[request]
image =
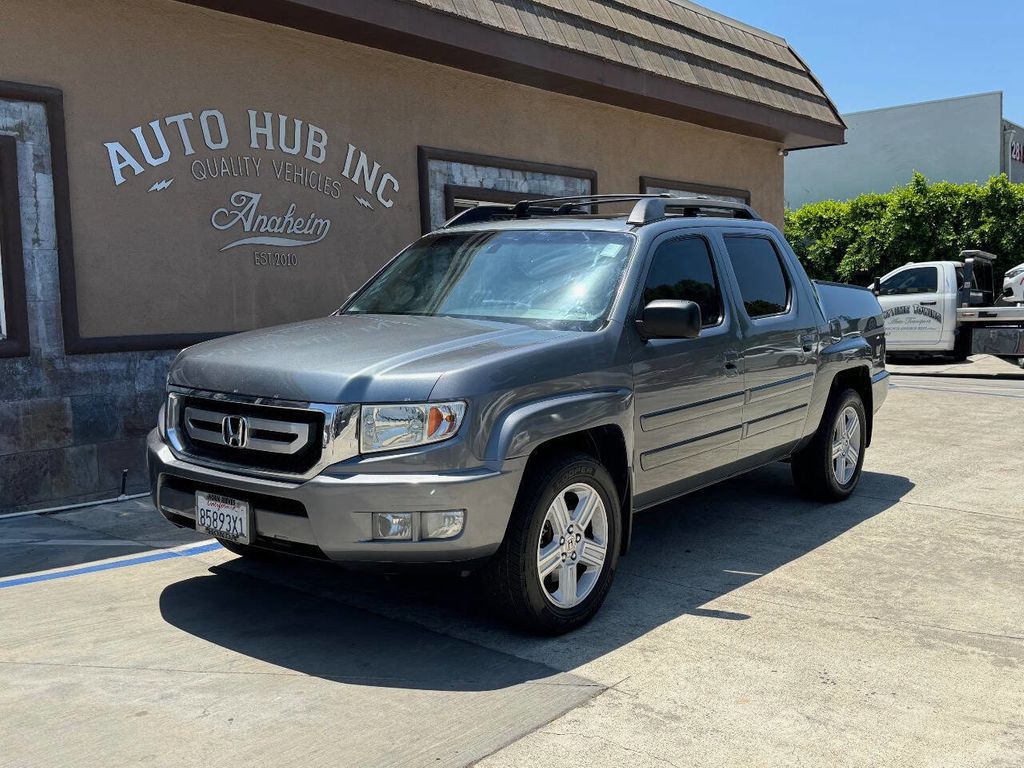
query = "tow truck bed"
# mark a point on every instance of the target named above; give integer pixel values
(990, 315)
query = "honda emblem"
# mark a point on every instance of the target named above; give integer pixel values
(235, 431)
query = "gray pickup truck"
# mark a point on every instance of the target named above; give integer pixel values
(512, 388)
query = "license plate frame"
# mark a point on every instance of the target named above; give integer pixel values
(224, 517)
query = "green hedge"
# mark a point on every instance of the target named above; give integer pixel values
(856, 240)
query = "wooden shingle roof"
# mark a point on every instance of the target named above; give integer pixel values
(665, 38)
(665, 57)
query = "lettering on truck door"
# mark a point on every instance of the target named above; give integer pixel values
(913, 309)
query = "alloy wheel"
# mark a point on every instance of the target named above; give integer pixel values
(573, 545)
(845, 445)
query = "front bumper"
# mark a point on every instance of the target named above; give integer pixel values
(330, 515)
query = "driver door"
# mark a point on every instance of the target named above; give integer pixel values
(910, 301)
(689, 392)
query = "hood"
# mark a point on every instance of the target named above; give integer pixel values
(348, 358)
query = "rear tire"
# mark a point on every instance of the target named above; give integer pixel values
(829, 467)
(566, 518)
(962, 345)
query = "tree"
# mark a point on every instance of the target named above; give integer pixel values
(855, 240)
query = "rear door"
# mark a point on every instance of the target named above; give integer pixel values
(689, 392)
(780, 347)
(911, 299)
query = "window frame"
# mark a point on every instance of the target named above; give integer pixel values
(642, 287)
(651, 182)
(786, 276)
(12, 256)
(935, 272)
(427, 154)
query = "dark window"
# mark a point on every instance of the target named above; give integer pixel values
(13, 313)
(917, 280)
(760, 274)
(682, 270)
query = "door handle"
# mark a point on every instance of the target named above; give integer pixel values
(731, 360)
(928, 303)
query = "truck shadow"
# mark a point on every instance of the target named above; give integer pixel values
(435, 632)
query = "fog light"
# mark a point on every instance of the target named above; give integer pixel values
(392, 525)
(442, 525)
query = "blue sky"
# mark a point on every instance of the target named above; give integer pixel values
(869, 53)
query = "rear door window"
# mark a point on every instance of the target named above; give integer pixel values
(764, 285)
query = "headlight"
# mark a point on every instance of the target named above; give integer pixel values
(161, 421)
(389, 427)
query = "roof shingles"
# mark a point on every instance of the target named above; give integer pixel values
(665, 38)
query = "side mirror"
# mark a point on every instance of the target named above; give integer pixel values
(876, 285)
(669, 319)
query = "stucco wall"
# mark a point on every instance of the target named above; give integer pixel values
(949, 140)
(123, 64)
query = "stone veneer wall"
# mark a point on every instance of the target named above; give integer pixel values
(69, 424)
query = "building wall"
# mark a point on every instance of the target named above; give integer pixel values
(950, 140)
(1013, 151)
(162, 251)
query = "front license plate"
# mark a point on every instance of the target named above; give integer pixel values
(223, 517)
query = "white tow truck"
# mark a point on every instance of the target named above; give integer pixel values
(949, 308)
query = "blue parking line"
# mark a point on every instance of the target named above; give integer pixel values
(164, 555)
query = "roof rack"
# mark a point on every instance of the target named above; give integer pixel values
(648, 208)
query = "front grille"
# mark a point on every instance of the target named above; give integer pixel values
(260, 437)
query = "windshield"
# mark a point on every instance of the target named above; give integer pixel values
(555, 278)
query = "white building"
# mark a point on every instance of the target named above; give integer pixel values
(963, 139)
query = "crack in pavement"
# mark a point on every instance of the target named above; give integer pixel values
(819, 610)
(861, 494)
(334, 678)
(612, 742)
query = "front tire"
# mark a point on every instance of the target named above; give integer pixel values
(555, 566)
(829, 467)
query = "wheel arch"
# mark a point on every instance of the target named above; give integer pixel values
(606, 443)
(857, 378)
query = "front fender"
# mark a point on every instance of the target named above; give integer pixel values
(524, 426)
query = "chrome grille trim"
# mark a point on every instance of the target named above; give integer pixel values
(339, 439)
(293, 436)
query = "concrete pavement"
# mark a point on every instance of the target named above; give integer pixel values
(976, 366)
(746, 627)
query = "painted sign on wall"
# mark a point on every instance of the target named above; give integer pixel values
(264, 154)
